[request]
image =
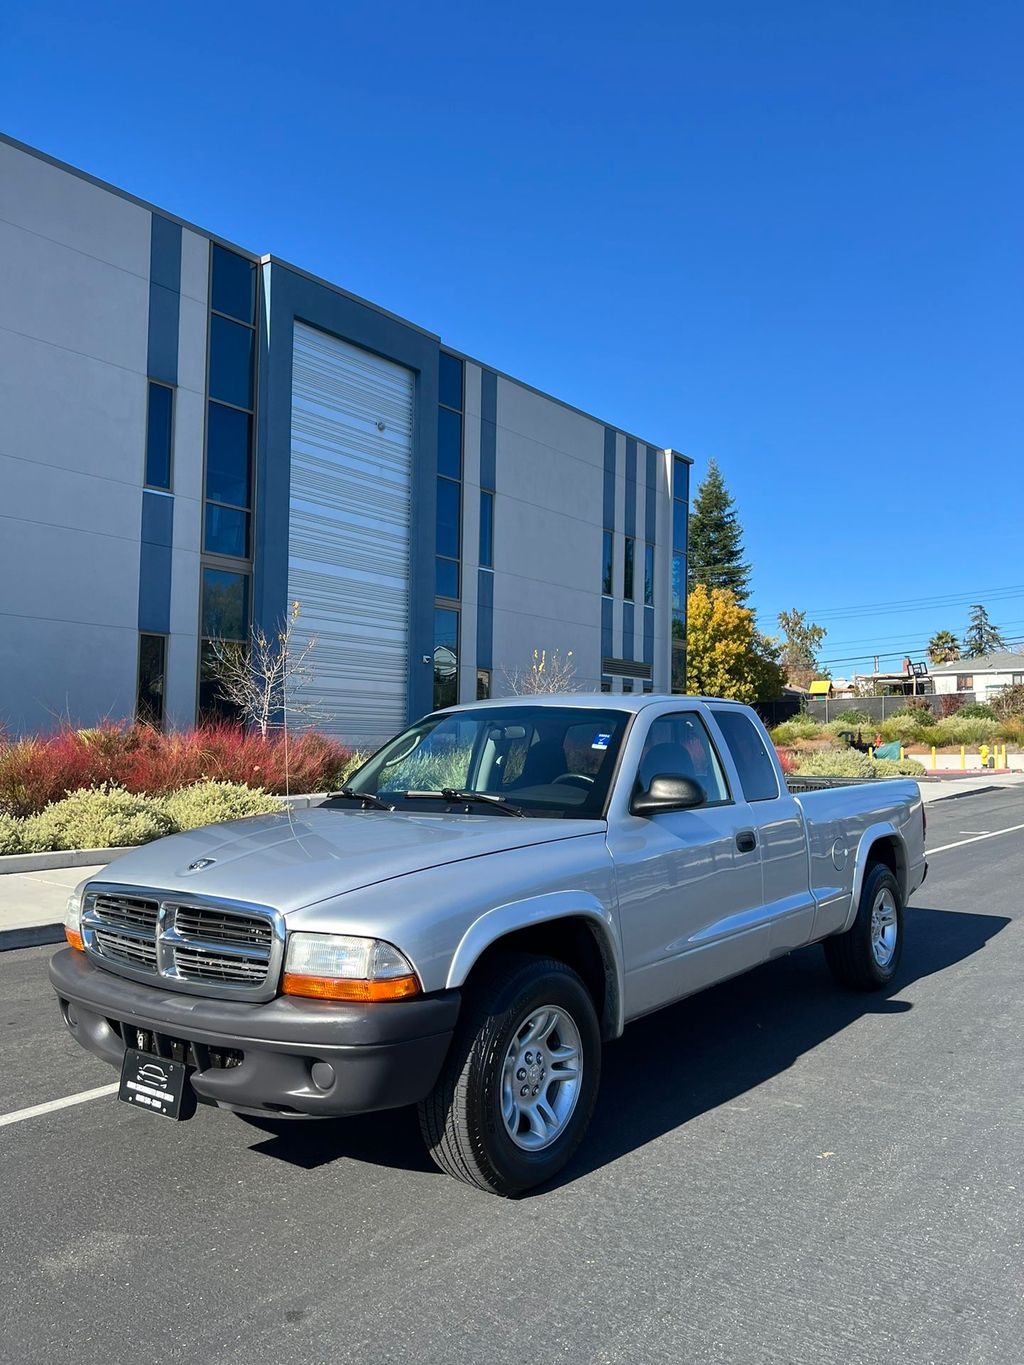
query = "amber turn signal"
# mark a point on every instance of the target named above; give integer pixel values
(350, 988)
(75, 939)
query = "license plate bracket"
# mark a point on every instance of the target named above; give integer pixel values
(156, 1085)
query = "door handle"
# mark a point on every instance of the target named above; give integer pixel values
(746, 840)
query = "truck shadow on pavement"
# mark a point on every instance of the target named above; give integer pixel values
(685, 1060)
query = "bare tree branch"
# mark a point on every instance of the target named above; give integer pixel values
(548, 672)
(270, 678)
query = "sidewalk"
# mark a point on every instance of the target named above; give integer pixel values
(32, 903)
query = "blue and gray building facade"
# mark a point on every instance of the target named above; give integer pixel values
(193, 438)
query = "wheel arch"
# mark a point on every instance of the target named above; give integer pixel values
(880, 843)
(572, 927)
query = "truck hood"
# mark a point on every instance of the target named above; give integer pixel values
(292, 860)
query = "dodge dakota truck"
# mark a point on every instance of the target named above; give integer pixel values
(501, 889)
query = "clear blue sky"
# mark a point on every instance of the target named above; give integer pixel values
(788, 236)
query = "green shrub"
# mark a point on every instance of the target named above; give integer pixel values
(799, 727)
(835, 763)
(974, 710)
(1008, 704)
(209, 803)
(101, 817)
(953, 730)
(854, 719)
(906, 725)
(836, 728)
(1012, 730)
(11, 840)
(898, 767)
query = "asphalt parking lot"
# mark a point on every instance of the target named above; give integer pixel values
(777, 1172)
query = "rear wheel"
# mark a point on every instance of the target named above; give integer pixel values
(518, 1089)
(867, 956)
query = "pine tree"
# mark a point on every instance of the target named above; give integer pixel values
(982, 636)
(715, 551)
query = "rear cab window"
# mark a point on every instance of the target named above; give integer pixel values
(753, 762)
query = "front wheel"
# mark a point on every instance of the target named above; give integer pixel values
(866, 956)
(519, 1085)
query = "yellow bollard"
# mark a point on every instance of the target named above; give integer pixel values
(963, 757)
(933, 758)
(903, 753)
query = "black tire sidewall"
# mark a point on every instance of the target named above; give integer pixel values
(878, 877)
(544, 984)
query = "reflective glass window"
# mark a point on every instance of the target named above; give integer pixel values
(608, 563)
(648, 575)
(228, 463)
(225, 613)
(487, 530)
(448, 518)
(446, 657)
(149, 708)
(449, 443)
(449, 381)
(627, 570)
(158, 436)
(233, 289)
(231, 353)
(447, 577)
(227, 531)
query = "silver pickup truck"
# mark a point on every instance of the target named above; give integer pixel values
(501, 888)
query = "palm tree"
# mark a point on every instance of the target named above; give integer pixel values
(943, 647)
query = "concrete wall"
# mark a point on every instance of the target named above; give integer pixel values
(74, 300)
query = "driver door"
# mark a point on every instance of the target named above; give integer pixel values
(689, 881)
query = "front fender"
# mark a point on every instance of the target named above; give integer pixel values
(883, 829)
(534, 910)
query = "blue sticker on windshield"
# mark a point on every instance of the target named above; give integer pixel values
(600, 741)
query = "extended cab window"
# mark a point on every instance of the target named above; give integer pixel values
(756, 769)
(680, 746)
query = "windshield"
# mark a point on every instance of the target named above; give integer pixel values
(547, 760)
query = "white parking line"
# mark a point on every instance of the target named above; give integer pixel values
(36, 1109)
(977, 838)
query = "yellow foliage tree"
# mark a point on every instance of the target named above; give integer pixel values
(726, 655)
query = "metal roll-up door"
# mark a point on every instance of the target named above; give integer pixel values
(349, 518)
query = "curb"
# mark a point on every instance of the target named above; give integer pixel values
(31, 936)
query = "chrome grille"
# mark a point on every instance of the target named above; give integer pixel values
(136, 952)
(130, 912)
(221, 926)
(195, 964)
(194, 944)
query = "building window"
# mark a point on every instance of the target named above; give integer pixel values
(231, 361)
(607, 563)
(483, 684)
(965, 682)
(233, 285)
(1017, 680)
(648, 575)
(627, 569)
(627, 684)
(159, 432)
(446, 657)
(227, 518)
(449, 381)
(486, 530)
(449, 443)
(224, 619)
(149, 705)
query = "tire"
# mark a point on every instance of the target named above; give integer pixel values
(867, 956)
(476, 1122)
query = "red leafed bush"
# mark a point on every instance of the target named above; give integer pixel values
(787, 760)
(36, 771)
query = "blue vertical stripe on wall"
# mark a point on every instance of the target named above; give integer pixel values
(651, 504)
(627, 630)
(488, 432)
(484, 618)
(155, 563)
(648, 635)
(630, 526)
(606, 627)
(609, 479)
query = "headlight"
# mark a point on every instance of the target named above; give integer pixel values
(340, 967)
(73, 920)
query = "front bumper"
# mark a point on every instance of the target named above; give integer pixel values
(286, 1057)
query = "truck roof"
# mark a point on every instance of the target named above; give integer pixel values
(615, 701)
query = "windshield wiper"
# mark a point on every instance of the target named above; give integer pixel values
(366, 799)
(467, 798)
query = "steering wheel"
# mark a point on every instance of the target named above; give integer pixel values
(574, 780)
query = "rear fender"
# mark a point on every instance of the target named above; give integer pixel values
(532, 912)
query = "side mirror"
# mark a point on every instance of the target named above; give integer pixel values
(668, 793)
